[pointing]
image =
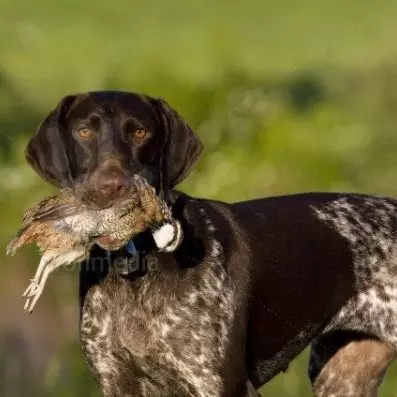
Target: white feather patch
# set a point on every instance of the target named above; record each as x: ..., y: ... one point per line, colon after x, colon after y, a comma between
x: 177, y: 239
x: 168, y: 236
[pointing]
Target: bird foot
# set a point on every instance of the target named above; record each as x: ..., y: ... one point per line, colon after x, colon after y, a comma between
x: 32, y: 289
x: 32, y: 294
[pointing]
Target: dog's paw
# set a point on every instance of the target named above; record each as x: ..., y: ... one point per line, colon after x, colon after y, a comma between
x: 168, y: 235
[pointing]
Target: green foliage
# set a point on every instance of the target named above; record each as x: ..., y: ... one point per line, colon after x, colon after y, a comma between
x: 286, y: 96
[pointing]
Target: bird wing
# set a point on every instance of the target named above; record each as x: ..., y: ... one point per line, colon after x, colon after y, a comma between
x: 55, y: 207
x: 51, y: 208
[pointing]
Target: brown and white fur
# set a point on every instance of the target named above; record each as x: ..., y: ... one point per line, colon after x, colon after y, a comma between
x: 250, y: 286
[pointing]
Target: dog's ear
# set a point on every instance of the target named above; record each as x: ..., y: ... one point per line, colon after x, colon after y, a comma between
x: 181, y: 147
x: 47, y: 151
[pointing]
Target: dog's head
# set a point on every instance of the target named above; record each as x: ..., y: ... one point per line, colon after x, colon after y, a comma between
x: 96, y: 142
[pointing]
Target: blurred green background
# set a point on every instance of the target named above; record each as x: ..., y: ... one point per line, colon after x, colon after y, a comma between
x: 287, y: 96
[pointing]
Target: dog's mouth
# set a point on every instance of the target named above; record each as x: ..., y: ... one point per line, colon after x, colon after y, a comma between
x: 90, y: 196
x: 88, y: 189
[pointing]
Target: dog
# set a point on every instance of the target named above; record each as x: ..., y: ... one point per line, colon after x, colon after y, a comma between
x: 248, y: 288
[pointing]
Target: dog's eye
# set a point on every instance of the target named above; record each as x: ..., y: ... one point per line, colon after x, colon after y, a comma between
x: 140, y: 135
x: 85, y: 133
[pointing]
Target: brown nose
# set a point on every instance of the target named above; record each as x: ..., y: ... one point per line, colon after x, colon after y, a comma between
x: 113, y: 183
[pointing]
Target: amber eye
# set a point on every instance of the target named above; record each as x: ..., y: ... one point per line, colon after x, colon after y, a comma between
x: 85, y: 133
x: 140, y: 135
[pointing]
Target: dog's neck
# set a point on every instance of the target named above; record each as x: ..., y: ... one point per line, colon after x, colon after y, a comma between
x: 141, y: 254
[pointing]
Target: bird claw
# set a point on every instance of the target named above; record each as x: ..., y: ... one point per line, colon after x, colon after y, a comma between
x: 27, y: 307
x: 31, y: 290
x: 32, y: 294
x: 36, y: 285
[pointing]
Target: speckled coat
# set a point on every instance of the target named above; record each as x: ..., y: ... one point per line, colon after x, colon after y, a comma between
x: 250, y: 287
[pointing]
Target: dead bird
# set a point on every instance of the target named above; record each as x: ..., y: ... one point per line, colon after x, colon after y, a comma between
x: 65, y: 228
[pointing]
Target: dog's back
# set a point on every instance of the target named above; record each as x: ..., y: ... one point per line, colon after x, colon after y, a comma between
x: 328, y: 268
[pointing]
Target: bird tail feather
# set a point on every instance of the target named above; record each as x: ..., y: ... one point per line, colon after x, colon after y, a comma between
x: 20, y: 239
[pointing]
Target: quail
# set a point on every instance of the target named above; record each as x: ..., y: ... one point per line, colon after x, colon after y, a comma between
x: 65, y: 229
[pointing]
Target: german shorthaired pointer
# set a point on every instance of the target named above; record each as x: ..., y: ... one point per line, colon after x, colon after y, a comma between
x: 248, y: 288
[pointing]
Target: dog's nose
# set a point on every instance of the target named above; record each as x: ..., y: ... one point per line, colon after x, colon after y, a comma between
x: 113, y: 183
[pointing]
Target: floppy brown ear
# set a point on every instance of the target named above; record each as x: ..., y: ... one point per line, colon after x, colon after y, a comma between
x: 181, y: 146
x: 47, y: 152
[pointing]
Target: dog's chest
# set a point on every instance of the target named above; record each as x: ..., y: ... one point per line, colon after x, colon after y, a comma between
x: 159, y: 336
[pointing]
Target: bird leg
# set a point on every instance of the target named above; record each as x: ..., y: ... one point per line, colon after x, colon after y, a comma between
x: 35, y: 281
x: 48, y: 263
x: 38, y: 288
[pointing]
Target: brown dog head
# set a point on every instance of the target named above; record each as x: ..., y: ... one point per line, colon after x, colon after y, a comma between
x: 95, y: 142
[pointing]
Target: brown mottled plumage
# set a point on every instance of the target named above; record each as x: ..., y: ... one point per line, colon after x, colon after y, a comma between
x: 65, y: 229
